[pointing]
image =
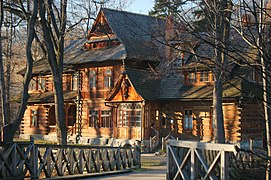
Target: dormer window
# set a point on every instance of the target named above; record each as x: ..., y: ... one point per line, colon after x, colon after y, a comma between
x: 92, y: 79
x: 200, y: 77
x: 204, y: 76
x: 191, y: 77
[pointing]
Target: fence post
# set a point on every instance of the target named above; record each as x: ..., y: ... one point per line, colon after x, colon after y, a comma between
x: 163, y: 141
x: 251, y: 141
x: 167, y: 163
x: 34, y: 160
x: 150, y: 145
x: 193, y: 165
x: 224, y: 169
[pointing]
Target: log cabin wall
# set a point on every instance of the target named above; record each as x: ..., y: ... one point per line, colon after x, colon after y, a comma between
x: 193, y: 120
x: 252, y: 121
x: 97, y: 118
x: 151, y: 118
x: 35, y: 120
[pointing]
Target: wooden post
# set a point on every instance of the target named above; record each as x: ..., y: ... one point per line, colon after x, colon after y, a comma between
x: 167, y: 163
x: 251, y: 149
x: 34, y: 156
x: 224, y: 169
x: 193, y: 165
x: 14, y: 160
x: 150, y: 145
x: 163, y: 141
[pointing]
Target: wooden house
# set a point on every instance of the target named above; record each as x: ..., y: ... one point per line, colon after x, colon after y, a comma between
x: 101, y: 90
x: 110, y: 90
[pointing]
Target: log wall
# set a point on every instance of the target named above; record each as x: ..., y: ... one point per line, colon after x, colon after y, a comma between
x: 202, y: 121
x: 253, y: 123
x: 42, y: 116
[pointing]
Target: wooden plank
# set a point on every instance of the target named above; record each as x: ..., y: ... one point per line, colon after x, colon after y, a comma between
x: 193, y: 164
x: 202, y: 145
x: 224, y: 166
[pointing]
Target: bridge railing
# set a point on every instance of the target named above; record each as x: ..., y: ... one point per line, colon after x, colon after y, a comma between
x: 196, y: 160
x: 29, y: 160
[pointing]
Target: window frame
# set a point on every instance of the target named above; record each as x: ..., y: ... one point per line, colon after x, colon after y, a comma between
x: 100, y: 120
x: 204, y: 76
x: 34, y: 113
x: 192, y: 77
x: 74, y: 82
x: 129, y: 115
x: 108, y: 78
x: 188, y: 119
x: 92, y: 79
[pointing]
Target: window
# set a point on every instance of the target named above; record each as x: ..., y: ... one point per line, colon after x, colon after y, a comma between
x: 34, y: 118
x: 252, y: 76
x: 92, y: 79
x: 188, y: 119
x: 106, y: 118
x: 129, y: 114
x: 74, y: 82
x: 42, y: 83
x: 192, y: 77
x: 107, y: 78
x: 52, y: 116
x: 33, y: 84
x: 94, y: 118
x: 100, y: 118
x: 71, y: 115
x: 204, y: 76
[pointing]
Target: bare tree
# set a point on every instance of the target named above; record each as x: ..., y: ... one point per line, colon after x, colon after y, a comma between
x: 2, y: 75
x: 11, y: 128
x: 53, y: 22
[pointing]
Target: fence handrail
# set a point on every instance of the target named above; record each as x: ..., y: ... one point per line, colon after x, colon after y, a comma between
x: 203, y: 145
x: 34, y: 160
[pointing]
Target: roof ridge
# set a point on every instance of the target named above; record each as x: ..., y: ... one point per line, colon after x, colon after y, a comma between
x: 132, y: 13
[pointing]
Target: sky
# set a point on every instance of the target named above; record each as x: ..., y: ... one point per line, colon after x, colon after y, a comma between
x: 141, y: 6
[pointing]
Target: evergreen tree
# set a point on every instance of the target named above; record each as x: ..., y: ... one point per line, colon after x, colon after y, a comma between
x: 204, y: 17
x: 163, y: 8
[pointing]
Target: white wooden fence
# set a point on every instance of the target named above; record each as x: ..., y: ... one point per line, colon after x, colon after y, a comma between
x: 190, y: 160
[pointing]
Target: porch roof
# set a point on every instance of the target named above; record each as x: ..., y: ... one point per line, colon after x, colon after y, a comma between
x: 48, y: 97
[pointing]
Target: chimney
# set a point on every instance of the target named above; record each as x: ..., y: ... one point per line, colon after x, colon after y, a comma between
x: 169, y: 37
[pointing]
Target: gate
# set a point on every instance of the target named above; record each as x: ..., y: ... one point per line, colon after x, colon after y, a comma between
x: 196, y: 160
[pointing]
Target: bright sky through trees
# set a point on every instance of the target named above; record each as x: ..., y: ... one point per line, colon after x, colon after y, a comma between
x: 141, y: 6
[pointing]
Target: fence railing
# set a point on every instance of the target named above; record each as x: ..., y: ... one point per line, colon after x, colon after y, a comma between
x: 21, y: 160
x: 196, y: 160
x: 165, y: 140
x: 154, y: 141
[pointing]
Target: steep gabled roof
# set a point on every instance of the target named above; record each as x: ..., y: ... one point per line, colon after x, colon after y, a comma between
x: 141, y: 81
x: 144, y: 83
x: 76, y: 54
x: 137, y: 32
x: 138, y: 35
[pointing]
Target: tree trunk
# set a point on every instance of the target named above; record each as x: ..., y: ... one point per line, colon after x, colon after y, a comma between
x: 54, y: 42
x: 219, y: 132
x: 2, y: 75
x: 222, y: 34
x: 9, y: 131
x: 59, y: 110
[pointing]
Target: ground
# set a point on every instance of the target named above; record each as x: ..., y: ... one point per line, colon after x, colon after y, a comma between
x: 152, y: 167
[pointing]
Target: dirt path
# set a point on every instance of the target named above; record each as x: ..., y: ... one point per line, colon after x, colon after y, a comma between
x: 152, y: 168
